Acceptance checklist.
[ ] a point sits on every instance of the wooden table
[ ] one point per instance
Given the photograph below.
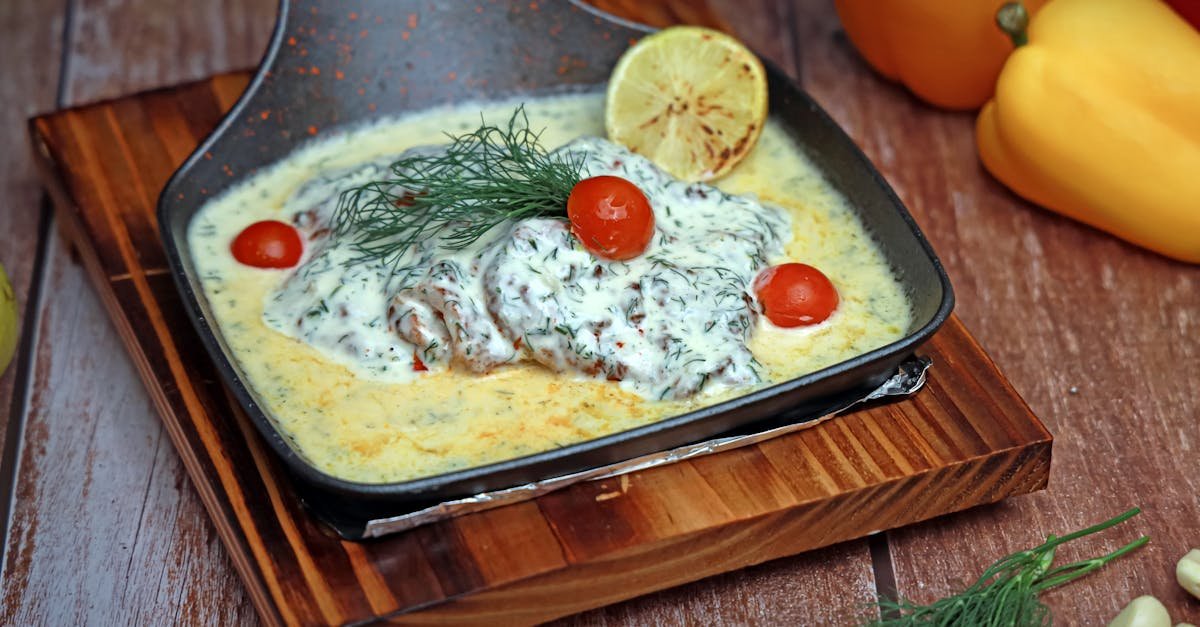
(1101, 338)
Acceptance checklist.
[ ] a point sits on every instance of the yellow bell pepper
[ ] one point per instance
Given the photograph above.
(947, 52)
(1098, 118)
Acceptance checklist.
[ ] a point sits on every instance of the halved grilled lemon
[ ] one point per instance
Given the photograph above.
(691, 99)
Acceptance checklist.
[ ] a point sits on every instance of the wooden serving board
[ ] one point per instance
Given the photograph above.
(966, 439)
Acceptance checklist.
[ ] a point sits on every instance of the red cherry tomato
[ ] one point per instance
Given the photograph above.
(611, 217)
(268, 244)
(795, 294)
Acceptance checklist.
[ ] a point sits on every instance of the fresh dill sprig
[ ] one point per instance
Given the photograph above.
(482, 179)
(1007, 592)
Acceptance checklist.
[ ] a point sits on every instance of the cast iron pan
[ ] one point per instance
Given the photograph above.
(333, 64)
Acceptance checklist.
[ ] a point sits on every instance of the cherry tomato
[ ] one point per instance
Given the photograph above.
(611, 217)
(268, 244)
(795, 294)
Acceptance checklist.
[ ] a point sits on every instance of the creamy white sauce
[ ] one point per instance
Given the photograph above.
(332, 367)
(669, 323)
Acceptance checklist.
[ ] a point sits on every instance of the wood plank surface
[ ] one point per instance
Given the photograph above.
(30, 36)
(105, 527)
(1045, 295)
(1101, 338)
(30, 33)
(966, 439)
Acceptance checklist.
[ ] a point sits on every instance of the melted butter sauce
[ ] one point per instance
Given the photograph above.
(384, 429)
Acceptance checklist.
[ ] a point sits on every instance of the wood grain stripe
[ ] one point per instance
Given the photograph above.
(450, 558)
(227, 88)
(373, 584)
(794, 460)
(834, 460)
(145, 159)
(169, 124)
(887, 453)
(489, 536)
(902, 430)
(855, 449)
(403, 563)
(929, 418)
(212, 444)
(747, 482)
(200, 107)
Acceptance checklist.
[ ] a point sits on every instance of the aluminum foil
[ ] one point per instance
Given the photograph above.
(909, 377)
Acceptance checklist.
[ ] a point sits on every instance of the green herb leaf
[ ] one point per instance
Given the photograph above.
(482, 179)
(1007, 592)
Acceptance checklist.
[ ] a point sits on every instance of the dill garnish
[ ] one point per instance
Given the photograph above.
(1007, 592)
(480, 180)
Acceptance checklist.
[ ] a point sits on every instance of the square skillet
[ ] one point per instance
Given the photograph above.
(334, 64)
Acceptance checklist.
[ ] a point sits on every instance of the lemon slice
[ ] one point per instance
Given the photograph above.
(691, 99)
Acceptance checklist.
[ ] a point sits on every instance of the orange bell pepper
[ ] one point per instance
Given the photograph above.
(947, 52)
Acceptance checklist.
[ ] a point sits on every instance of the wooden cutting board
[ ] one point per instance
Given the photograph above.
(966, 439)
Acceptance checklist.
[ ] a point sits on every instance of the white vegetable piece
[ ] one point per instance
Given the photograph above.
(1144, 611)
(1187, 572)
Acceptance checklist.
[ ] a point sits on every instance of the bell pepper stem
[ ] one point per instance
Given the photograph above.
(1013, 20)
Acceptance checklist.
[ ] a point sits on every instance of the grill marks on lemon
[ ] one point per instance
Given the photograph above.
(691, 99)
